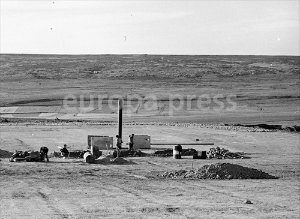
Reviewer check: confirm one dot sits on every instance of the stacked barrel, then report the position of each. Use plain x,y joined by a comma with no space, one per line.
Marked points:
177,151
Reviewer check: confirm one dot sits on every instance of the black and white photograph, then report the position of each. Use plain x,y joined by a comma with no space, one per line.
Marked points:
149,109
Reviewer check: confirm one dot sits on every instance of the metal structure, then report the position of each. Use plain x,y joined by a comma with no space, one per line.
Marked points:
120,121
135,141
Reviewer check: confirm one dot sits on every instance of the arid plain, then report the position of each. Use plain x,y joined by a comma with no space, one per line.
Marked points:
241,103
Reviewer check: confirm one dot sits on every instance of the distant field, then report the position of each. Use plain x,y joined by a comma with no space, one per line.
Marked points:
262,89
265,88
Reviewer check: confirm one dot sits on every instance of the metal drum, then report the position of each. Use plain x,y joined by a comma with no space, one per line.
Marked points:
177,151
88,157
202,155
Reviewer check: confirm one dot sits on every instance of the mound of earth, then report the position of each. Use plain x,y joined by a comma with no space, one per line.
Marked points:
219,171
120,161
109,160
5,154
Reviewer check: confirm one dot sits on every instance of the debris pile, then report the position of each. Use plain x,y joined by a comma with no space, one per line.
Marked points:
129,153
5,154
218,171
29,156
222,153
77,153
72,154
169,152
164,153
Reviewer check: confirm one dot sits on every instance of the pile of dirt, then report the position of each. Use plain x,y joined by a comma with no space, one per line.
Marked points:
169,152
5,154
109,160
121,161
218,171
222,153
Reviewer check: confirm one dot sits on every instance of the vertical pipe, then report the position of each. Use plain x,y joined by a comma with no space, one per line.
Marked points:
120,108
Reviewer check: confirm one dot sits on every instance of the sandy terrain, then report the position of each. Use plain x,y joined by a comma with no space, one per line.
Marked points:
32,90
264,88
73,189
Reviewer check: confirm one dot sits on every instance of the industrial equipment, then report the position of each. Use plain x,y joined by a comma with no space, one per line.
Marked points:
139,142
101,142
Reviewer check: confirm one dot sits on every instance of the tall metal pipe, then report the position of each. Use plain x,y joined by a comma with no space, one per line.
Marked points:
120,118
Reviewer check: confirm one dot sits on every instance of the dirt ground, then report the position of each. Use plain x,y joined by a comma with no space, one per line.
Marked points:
70,188
33,88
264,88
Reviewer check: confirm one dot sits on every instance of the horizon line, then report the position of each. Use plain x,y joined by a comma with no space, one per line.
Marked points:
141,54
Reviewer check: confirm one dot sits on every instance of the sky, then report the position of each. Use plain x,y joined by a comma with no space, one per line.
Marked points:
188,27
